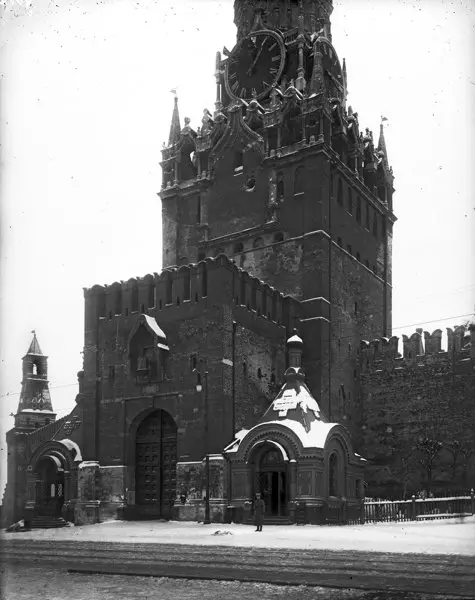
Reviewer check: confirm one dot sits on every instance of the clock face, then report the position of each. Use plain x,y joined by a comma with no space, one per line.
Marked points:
332,72
255,65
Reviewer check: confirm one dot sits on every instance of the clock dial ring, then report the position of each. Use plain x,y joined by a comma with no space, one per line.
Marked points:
255,65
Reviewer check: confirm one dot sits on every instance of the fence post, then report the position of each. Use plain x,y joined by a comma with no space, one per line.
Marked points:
472,495
413,498
362,511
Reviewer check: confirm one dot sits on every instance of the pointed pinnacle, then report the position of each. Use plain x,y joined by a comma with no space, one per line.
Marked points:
382,143
175,126
34,346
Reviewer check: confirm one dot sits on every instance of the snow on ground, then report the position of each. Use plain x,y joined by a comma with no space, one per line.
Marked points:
448,536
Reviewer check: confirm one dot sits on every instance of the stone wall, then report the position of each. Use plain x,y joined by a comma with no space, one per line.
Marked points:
418,414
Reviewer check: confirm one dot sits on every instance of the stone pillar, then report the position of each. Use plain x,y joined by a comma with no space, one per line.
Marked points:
292,489
87,508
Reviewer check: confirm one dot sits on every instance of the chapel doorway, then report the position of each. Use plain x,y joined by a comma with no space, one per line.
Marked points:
273,482
155,465
49,487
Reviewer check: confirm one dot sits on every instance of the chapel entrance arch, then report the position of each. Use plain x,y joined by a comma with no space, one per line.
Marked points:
155,464
49,486
272,480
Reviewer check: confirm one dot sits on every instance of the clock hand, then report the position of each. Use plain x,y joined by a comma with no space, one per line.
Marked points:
259,52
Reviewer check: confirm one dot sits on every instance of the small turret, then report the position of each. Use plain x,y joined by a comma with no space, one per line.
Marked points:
34,408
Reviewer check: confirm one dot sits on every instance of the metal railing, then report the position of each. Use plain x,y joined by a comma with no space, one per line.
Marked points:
416,509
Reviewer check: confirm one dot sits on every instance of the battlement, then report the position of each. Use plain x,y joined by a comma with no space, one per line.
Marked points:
217,278
421,348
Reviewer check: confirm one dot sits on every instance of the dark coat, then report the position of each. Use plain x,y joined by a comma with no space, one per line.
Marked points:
259,510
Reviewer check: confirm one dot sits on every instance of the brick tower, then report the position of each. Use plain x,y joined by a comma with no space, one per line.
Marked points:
34,412
34,408
281,180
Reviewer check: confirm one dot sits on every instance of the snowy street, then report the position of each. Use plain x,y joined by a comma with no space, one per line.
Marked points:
447,536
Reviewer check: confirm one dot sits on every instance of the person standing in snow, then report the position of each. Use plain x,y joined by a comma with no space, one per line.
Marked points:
259,510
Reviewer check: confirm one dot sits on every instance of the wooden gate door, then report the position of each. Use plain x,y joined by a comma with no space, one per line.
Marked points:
168,464
155,469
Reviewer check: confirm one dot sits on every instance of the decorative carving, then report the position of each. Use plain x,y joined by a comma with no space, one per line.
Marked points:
72,425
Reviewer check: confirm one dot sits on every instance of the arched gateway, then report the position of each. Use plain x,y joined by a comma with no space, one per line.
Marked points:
155,465
272,479
49,486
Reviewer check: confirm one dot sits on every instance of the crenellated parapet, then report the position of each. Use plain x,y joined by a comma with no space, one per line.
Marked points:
420,349
218,279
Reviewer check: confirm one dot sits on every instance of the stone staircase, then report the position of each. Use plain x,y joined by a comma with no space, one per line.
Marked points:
48,522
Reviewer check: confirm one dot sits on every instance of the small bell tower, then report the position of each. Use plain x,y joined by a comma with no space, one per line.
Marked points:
34,408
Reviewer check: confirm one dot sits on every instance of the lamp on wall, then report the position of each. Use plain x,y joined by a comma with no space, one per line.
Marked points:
199,388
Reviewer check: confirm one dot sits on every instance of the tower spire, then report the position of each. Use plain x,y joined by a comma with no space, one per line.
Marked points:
175,126
34,346
382,142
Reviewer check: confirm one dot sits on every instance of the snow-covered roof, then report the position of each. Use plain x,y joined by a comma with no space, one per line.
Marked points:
70,445
152,323
296,409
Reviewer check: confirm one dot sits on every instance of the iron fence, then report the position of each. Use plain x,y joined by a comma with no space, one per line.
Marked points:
417,509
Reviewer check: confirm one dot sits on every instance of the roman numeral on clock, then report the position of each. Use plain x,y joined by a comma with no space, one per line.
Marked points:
243,92
273,71
235,86
275,58
274,45
232,76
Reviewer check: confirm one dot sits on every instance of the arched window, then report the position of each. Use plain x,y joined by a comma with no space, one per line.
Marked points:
350,249
278,237
333,475
264,302
280,186
358,257
350,202
198,209
219,251
239,247
258,242
299,181
34,369
367,216
358,209
339,196
253,296
204,281
201,256
339,242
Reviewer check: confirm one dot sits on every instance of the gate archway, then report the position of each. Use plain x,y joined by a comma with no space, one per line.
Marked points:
155,464
50,486
272,479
